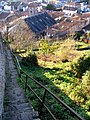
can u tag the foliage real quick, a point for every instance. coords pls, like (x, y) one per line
(86, 84)
(62, 80)
(88, 34)
(81, 65)
(44, 46)
(31, 59)
(82, 38)
(50, 7)
(47, 49)
(77, 36)
(59, 82)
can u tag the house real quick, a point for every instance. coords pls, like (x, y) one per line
(86, 16)
(18, 6)
(58, 5)
(27, 30)
(73, 4)
(44, 4)
(30, 1)
(34, 8)
(7, 7)
(23, 7)
(4, 16)
(66, 26)
(15, 5)
(12, 5)
(57, 15)
(86, 28)
(70, 11)
(83, 7)
(88, 8)
(40, 22)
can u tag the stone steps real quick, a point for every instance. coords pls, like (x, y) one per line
(15, 103)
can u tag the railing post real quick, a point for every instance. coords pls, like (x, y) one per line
(44, 96)
(19, 72)
(26, 83)
(43, 100)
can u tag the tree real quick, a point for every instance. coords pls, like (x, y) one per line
(50, 7)
(45, 49)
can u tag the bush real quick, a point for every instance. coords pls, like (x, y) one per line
(81, 66)
(86, 84)
(30, 60)
(50, 7)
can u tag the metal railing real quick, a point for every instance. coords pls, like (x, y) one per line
(42, 101)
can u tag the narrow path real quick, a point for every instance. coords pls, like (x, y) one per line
(16, 106)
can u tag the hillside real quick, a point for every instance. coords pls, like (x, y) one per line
(65, 71)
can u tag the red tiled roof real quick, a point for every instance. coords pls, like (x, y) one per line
(64, 26)
(85, 15)
(33, 5)
(73, 4)
(56, 14)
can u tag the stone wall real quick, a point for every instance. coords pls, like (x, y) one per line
(2, 78)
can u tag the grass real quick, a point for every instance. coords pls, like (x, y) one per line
(62, 83)
(59, 78)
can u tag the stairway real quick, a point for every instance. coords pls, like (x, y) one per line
(16, 106)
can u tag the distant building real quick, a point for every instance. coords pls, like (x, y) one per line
(34, 8)
(70, 11)
(57, 15)
(4, 16)
(86, 28)
(40, 22)
(31, 28)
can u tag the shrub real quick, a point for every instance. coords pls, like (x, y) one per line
(81, 66)
(50, 7)
(86, 84)
(31, 59)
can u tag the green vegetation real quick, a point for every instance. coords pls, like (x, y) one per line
(65, 71)
(50, 7)
(30, 60)
(82, 64)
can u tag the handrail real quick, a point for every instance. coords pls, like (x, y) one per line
(46, 90)
(18, 65)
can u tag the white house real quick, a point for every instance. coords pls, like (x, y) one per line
(70, 11)
(7, 8)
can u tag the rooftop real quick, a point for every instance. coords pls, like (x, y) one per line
(73, 4)
(70, 8)
(87, 27)
(56, 14)
(4, 15)
(39, 22)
